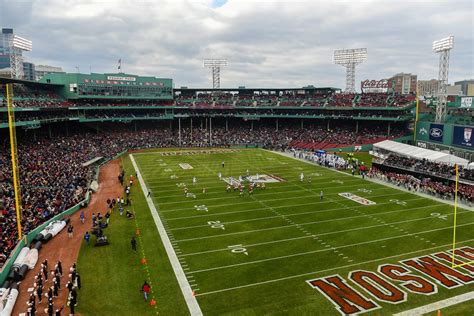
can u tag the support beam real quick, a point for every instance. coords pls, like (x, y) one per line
(179, 131)
(210, 131)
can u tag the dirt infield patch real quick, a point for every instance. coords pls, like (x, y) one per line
(67, 249)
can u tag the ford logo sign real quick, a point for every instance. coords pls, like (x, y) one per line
(436, 132)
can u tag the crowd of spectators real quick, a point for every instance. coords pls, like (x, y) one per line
(425, 185)
(53, 178)
(293, 99)
(429, 167)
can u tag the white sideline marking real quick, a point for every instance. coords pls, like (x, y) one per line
(438, 305)
(326, 270)
(191, 301)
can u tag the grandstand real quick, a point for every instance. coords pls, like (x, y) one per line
(69, 124)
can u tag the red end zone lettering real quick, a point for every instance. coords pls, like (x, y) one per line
(413, 283)
(449, 260)
(443, 275)
(465, 252)
(378, 287)
(346, 299)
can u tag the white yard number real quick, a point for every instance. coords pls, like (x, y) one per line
(365, 190)
(200, 207)
(167, 170)
(338, 181)
(216, 224)
(238, 249)
(398, 202)
(438, 215)
(191, 195)
(181, 185)
(173, 176)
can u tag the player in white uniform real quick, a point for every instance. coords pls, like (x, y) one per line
(194, 180)
(302, 177)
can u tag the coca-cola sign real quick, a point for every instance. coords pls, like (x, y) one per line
(374, 85)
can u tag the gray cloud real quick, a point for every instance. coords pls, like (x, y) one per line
(268, 43)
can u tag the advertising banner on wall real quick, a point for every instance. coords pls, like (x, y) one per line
(436, 132)
(463, 136)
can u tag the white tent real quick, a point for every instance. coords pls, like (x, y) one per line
(419, 153)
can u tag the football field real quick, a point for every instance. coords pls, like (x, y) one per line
(275, 250)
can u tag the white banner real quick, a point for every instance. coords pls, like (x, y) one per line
(466, 102)
(121, 78)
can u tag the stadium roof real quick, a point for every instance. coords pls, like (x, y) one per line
(4, 80)
(420, 153)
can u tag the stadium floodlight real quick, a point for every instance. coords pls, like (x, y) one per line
(18, 45)
(215, 65)
(349, 58)
(443, 44)
(443, 47)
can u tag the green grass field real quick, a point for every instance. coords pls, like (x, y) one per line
(252, 255)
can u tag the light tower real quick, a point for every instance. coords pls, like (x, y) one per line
(18, 45)
(443, 47)
(215, 65)
(349, 58)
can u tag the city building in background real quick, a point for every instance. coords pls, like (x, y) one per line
(41, 70)
(11, 53)
(28, 71)
(403, 83)
(428, 88)
(467, 86)
(454, 90)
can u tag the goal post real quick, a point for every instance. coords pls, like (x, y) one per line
(453, 252)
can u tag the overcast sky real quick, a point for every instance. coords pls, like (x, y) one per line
(268, 43)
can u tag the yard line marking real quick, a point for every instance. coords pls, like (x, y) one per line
(313, 203)
(201, 177)
(297, 214)
(226, 197)
(267, 192)
(291, 225)
(322, 250)
(326, 270)
(190, 299)
(422, 310)
(264, 208)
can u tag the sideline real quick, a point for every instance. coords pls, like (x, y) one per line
(191, 301)
(377, 181)
(438, 305)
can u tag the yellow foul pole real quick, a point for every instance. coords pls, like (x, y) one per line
(416, 115)
(13, 149)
